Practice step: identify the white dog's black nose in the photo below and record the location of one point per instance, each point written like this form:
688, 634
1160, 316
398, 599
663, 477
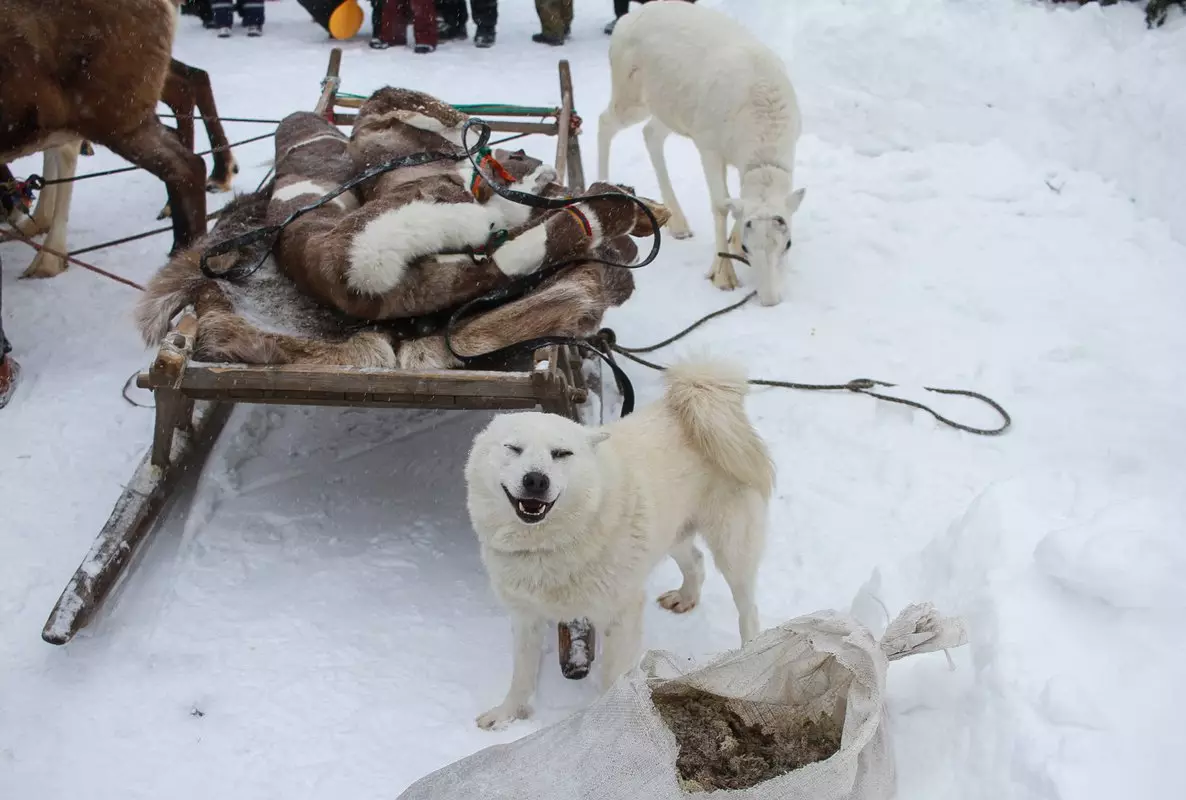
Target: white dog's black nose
535, 483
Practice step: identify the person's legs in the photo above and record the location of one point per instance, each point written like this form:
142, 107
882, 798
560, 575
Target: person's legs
424, 25
223, 14
485, 18
393, 23
252, 12
451, 19
551, 22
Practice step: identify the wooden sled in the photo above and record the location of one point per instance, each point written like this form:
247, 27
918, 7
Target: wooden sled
194, 399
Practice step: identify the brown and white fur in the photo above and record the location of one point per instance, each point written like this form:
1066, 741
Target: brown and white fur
265, 319
94, 70
388, 257
571, 520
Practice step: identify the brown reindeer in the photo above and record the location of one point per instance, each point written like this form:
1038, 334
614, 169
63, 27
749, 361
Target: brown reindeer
185, 88
94, 70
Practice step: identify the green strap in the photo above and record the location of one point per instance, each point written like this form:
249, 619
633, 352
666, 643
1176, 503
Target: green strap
487, 108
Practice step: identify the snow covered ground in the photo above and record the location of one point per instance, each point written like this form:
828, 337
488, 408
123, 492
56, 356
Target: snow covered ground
996, 199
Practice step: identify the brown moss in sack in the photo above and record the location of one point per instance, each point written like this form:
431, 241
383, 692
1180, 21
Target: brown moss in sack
718, 749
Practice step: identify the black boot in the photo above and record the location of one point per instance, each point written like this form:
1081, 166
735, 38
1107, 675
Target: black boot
484, 37
447, 32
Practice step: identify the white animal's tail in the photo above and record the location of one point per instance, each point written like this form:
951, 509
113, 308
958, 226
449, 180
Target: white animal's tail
708, 398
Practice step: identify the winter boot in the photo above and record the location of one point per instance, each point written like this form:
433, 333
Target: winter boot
484, 37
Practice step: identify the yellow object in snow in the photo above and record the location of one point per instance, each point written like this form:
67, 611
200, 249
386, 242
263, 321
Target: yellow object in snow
346, 20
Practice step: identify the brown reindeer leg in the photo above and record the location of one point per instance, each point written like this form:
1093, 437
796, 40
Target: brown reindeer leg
155, 148
178, 95
225, 167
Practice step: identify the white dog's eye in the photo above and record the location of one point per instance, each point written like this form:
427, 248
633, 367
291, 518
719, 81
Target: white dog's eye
514, 448
558, 454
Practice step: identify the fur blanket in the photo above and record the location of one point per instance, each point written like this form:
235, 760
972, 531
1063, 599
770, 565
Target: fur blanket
365, 279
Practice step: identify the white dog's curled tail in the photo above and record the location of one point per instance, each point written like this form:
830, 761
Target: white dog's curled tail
708, 398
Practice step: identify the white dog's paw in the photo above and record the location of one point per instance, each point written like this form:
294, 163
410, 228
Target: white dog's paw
674, 602
498, 718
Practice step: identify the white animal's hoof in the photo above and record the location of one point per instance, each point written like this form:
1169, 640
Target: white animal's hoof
674, 602
723, 276
681, 234
45, 265
498, 718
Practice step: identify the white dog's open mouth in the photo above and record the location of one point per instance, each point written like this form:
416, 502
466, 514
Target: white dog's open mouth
529, 510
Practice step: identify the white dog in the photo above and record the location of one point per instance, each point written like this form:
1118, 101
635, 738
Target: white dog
571, 520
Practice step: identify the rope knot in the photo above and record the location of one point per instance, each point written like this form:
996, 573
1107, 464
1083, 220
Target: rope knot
860, 384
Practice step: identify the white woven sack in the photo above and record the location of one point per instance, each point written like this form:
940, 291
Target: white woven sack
619, 748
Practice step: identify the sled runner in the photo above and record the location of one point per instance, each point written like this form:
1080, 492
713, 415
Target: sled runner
194, 398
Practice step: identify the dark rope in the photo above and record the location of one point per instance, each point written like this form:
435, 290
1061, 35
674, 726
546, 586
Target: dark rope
608, 341
134, 237
525, 284
128, 385
42, 182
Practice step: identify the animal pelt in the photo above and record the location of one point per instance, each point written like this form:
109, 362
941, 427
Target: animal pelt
368, 277
402, 251
265, 319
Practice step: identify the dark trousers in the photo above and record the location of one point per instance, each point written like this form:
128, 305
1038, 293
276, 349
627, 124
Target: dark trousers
390, 18
252, 12
453, 12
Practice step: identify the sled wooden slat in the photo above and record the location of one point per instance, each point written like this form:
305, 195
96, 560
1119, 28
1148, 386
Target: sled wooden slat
193, 400
128, 526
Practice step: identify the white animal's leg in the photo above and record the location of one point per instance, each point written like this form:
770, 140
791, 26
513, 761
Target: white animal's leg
625, 108
47, 265
691, 564
39, 221
655, 133
736, 536
525, 673
622, 642
722, 274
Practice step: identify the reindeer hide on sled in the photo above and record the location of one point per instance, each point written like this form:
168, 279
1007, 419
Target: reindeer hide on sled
355, 281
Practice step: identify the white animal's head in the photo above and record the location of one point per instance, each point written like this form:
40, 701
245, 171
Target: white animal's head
762, 231
530, 478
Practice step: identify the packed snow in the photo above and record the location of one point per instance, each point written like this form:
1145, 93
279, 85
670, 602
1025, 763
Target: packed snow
996, 200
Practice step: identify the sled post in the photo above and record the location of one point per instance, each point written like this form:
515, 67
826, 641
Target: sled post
329, 85
568, 149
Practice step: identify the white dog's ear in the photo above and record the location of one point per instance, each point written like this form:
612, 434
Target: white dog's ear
795, 200
597, 438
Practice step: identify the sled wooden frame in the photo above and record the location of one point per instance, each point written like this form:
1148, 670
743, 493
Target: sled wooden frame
194, 400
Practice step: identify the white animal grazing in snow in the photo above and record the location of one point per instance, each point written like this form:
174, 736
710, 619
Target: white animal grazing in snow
696, 72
